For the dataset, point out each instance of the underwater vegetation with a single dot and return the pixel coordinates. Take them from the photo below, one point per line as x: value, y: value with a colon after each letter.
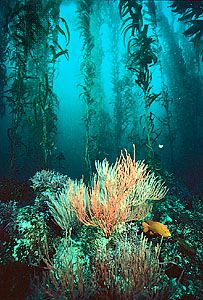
x: 32, y: 50
x: 126, y: 62
x: 79, y: 241
x: 83, y: 213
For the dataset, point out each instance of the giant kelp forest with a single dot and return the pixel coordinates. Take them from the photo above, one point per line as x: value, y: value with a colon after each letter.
x: 101, y: 115
x: 140, y: 81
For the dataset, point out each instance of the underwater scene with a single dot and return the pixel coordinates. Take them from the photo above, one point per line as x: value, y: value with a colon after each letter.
x: 101, y: 143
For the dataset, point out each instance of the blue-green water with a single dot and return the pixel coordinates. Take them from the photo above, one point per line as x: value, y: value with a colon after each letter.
x: 81, y: 81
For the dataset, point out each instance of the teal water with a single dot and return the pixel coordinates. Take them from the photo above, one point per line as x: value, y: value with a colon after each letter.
x: 81, y: 81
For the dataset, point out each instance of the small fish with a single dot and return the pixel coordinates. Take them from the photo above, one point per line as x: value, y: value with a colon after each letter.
x: 60, y: 157
x: 160, y: 146
x: 185, y: 247
x: 156, y: 228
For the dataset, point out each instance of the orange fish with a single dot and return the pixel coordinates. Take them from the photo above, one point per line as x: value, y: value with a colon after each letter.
x: 156, y: 228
